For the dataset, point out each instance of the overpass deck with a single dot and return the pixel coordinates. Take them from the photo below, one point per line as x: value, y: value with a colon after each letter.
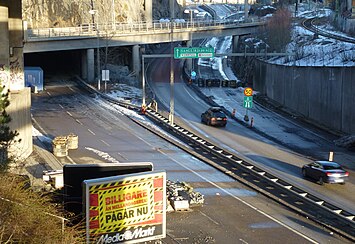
x: 122, y: 34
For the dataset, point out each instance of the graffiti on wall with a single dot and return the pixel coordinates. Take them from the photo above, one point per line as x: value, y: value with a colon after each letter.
x: 16, y: 74
x: 4, y: 75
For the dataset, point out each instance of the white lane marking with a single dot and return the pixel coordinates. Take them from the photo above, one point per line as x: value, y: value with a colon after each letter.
x: 243, y: 241
x: 78, y: 121
x: 61, y: 106
x: 235, y: 197
x: 105, y: 143
x: 39, y: 126
x: 71, y: 160
x: 193, y: 97
x: 49, y: 94
x: 91, y: 131
x: 69, y: 114
x: 122, y: 156
x: 71, y: 88
x: 209, y: 218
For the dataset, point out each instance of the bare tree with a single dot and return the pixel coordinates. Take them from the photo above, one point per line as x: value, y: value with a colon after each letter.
x: 278, y: 30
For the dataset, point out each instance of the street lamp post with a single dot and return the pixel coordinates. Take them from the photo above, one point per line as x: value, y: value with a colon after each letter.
x: 171, y: 113
x: 191, y: 11
x: 93, y: 12
x: 113, y: 15
x: 191, y: 62
x: 143, y: 81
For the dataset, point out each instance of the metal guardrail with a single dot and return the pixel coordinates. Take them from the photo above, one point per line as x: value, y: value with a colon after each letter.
x: 102, y: 30
x: 309, y: 25
x: 297, y: 199
x: 319, y: 210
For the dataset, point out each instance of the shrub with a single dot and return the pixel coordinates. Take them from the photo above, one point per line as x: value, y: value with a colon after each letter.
x: 27, y: 217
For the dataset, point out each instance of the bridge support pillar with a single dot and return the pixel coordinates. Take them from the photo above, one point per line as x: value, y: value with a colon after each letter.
x: 4, y: 47
x: 84, y: 65
x: 136, y: 63
x: 235, y: 44
x: 88, y: 65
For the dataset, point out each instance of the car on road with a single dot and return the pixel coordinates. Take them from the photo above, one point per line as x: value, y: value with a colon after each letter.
x: 214, y: 116
x: 325, y: 172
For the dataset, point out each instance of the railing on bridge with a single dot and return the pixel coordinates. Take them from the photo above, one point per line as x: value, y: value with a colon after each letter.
x: 90, y: 30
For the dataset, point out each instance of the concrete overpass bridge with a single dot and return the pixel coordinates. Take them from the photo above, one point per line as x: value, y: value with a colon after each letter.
x: 88, y: 38
x: 80, y: 43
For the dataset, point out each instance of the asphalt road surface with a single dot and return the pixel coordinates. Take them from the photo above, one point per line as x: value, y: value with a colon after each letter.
x: 232, y: 213
x: 299, y: 144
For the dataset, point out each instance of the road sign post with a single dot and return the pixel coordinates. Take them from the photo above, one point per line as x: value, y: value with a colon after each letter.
x: 247, y: 103
x: 193, y: 52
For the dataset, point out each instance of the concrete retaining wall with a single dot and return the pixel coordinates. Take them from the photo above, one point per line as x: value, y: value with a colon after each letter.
x: 20, y: 112
x: 325, y: 95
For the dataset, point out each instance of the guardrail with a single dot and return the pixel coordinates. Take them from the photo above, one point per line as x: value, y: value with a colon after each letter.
x: 102, y: 30
x: 309, y: 25
x: 315, y: 208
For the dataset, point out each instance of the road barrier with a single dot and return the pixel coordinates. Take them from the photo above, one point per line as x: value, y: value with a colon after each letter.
x: 73, y: 141
x: 232, y: 83
x: 60, y: 146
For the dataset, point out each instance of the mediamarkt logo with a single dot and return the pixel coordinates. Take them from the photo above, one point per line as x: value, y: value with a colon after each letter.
x: 127, y: 235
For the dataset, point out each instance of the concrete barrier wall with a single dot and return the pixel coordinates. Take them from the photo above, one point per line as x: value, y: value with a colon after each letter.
x: 325, y: 95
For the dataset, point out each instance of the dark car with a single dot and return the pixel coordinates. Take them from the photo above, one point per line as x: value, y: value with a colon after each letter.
x: 214, y: 116
x: 325, y: 172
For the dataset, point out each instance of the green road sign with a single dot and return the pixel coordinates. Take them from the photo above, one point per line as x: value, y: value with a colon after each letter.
x: 193, y: 52
x: 248, y: 102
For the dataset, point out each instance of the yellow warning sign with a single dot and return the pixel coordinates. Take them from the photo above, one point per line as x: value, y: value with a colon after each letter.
x: 129, y: 204
x: 248, y: 92
x: 126, y: 207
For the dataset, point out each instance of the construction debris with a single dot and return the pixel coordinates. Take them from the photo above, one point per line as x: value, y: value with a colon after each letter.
x: 181, y: 195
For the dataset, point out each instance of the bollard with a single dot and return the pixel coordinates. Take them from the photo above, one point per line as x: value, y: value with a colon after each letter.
x: 143, y: 109
x: 251, y: 121
x: 246, y: 118
x: 331, y: 154
x: 233, y: 112
x: 60, y: 146
x: 73, y: 141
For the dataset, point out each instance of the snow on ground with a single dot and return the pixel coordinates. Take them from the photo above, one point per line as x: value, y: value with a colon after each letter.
x: 126, y: 93
x: 321, y: 51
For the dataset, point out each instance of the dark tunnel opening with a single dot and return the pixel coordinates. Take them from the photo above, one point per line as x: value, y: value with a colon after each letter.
x: 58, y: 63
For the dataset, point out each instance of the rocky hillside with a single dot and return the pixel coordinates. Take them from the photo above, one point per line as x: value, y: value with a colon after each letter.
x: 61, y: 13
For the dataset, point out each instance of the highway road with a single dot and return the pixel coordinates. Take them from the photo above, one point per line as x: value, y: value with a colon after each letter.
x: 232, y: 213
x: 283, y: 160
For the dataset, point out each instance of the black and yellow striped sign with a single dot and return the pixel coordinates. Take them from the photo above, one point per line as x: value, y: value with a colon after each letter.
x: 126, y: 203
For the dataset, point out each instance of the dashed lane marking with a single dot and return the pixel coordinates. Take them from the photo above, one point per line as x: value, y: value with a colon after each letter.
x: 237, y: 198
x: 79, y: 122
x: 91, y: 132
x: 105, y: 143
x: 209, y: 218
